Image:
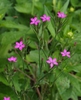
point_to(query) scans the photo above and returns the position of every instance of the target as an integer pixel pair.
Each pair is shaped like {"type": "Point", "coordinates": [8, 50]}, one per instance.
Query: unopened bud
{"type": "Point", "coordinates": [70, 34]}
{"type": "Point", "coordinates": [71, 9]}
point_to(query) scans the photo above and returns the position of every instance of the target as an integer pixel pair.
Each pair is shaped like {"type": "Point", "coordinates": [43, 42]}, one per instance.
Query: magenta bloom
{"type": "Point", "coordinates": [61, 15]}
{"type": "Point", "coordinates": [52, 62]}
{"type": "Point", "coordinates": [19, 45]}
{"type": "Point", "coordinates": [6, 98]}
{"type": "Point", "coordinates": [65, 53]}
{"type": "Point", "coordinates": [34, 21]}
{"type": "Point", "coordinates": [45, 18]}
{"type": "Point", "coordinates": [12, 59]}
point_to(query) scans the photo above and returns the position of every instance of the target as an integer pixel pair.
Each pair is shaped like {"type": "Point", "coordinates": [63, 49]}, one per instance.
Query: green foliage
{"type": "Point", "coordinates": [30, 77]}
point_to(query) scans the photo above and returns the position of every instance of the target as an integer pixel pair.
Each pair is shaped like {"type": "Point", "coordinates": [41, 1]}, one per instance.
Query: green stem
{"type": "Point", "coordinates": [39, 57]}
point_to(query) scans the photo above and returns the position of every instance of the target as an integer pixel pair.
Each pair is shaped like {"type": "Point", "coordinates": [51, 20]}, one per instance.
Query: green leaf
{"type": "Point", "coordinates": [50, 24]}
{"type": "Point", "coordinates": [34, 56]}
{"type": "Point", "coordinates": [6, 91]}
{"type": "Point", "coordinates": [12, 24]}
{"type": "Point", "coordinates": [76, 3]}
{"type": "Point", "coordinates": [4, 7]}
{"type": "Point", "coordinates": [8, 38]}
{"type": "Point", "coordinates": [66, 85]}
{"type": "Point", "coordinates": [4, 50]}
{"type": "Point", "coordinates": [3, 79]}
{"type": "Point", "coordinates": [15, 80]}
{"type": "Point", "coordinates": [63, 84]}
{"type": "Point", "coordinates": [3, 62]}
{"type": "Point", "coordinates": [65, 6]}
{"type": "Point", "coordinates": [25, 7]}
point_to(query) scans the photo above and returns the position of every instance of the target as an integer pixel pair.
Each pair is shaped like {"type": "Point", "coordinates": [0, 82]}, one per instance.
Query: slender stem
{"type": "Point", "coordinates": [39, 57]}
{"type": "Point", "coordinates": [37, 89]}
{"type": "Point", "coordinates": [25, 74]}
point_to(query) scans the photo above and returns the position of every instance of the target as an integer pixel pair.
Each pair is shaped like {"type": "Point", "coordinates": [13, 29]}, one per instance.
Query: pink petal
{"type": "Point", "coordinates": [68, 56]}
{"type": "Point", "coordinates": [16, 46]}
{"type": "Point", "coordinates": [55, 63]}
{"type": "Point", "coordinates": [63, 54]}
{"type": "Point", "coordinates": [68, 53]}
{"type": "Point", "coordinates": [32, 22]}
{"type": "Point", "coordinates": [31, 19]}
{"type": "Point", "coordinates": [48, 18]}
{"type": "Point", "coordinates": [48, 61]}
{"type": "Point", "coordinates": [65, 51]}
{"type": "Point", "coordinates": [37, 22]}
{"type": "Point", "coordinates": [63, 15]}
{"type": "Point", "coordinates": [35, 18]}
{"type": "Point", "coordinates": [17, 43]}
{"type": "Point", "coordinates": [23, 46]}
{"type": "Point", "coordinates": [6, 98]}
{"type": "Point", "coordinates": [14, 59]}
{"type": "Point", "coordinates": [9, 59]}
{"type": "Point", "coordinates": [20, 48]}
{"type": "Point", "coordinates": [54, 60]}
{"type": "Point", "coordinates": [51, 65]}
{"type": "Point", "coordinates": [21, 42]}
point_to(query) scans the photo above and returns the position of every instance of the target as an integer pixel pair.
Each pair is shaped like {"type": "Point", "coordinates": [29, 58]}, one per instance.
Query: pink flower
{"type": "Point", "coordinates": [52, 62]}
{"type": "Point", "coordinates": [65, 53]}
{"type": "Point", "coordinates": [19, 45]}
{"type": "Point", "coordinates": [12, 59]}
{"type": "Point", "coordinates": [6, 98]}
{"type": "Point", "coordinates": [34, 21]}
{"type": "Point", "coordinates": [45, 18]}
{"type": "Point", "coordinates": [61, 15]}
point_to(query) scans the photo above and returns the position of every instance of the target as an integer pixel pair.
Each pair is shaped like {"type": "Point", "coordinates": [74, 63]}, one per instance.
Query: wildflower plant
{"type": "Point", "coordinates": [39, 59]}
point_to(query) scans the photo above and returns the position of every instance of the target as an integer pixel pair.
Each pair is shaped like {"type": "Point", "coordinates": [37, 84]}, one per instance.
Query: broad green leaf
{"type": "Point", "coordinates": [4, 50]}
{"type": "Point", "coordinates": [3, 62]}
{"type": "Point", "coordinates": [76, 3]}
{"type": "Point", "coordinates": [56, 54]}
{"type": "Point", "coordinates": [63, 84]}
{"type": "Point", "coordinates": [4, 7]}
{"type": "Point", "coordinates": [12, 24]}
{"type": "Point", "coordinates": [6, 91]}
{"type": "Point", "coordinates": [66, 85]}
{"type": "Point", "coordinates": [11, 37]}
{"type": "Point", "coordinates": [34, 56]}
{"type": "Point", "coordinates": [25, 7]}
{"type": "Point", "coordinates": [3, 79]}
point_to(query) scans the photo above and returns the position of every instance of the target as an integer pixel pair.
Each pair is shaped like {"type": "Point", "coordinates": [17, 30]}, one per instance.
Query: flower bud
{"type": "Point", "coordinates": [72, 9]}
{"type": "Point", "coordinates": [70, 34]}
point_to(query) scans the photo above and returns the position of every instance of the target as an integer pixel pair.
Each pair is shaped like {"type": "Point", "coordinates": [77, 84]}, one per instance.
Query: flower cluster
{"type": "Point", "coordinates": [36, 21]}
{"type": "Point", "coordinates": [18, 45]}
{"type": "Point", "coordinates": [44, 18]}
{"type": "Point", "coordinates": [53, 62]}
